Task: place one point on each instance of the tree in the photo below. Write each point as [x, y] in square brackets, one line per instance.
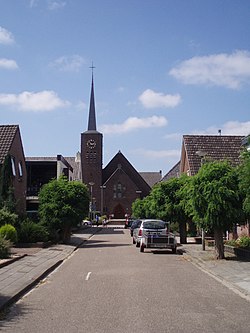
[216, 200]
[164, 202]
[7, 198]
[244, 177]
[62, 205]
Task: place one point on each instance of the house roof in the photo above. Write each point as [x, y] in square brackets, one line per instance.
[151, 177]
[212, 147]
[172, 173]
[7, 135]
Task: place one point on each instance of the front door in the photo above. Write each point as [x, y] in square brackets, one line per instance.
[119, 212]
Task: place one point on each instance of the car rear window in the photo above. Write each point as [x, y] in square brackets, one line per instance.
[154, 225]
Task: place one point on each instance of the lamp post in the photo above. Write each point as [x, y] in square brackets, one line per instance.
[202, 154]
[91, 184]
[102, 187]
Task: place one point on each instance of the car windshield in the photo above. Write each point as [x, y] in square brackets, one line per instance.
[154, 225]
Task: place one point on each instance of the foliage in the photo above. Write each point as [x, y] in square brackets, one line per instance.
[7, 217]
[31, 232]
[7, 198]
[216, 197]
[62, 205]
[243, 241]
[9, 232]
[5, 246]
[244, 177]
[216, 200]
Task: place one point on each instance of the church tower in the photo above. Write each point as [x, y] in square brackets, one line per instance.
[92, 155]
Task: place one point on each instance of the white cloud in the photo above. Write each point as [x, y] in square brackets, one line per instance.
[54, 5]
[8, 64]
[68, 63]
[174, 153]
[29, 101]
[151, 99]
[134, 123]
[231, 128]
[228, 70]
[6, 36]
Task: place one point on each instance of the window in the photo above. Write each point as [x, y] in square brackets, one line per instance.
[118, 190]
[20, 169]
[13, 166]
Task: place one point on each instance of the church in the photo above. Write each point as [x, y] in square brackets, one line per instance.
[112, 189]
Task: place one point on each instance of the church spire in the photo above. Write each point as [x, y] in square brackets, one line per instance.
[92, 119]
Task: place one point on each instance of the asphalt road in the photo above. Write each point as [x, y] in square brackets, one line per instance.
[109, 286]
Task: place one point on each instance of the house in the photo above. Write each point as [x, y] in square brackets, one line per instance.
[198, 148]
[11, 147]
[40, 170]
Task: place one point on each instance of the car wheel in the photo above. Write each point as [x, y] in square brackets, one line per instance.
[174, 250]
[85, 223]
[142, 247]
[137, 244]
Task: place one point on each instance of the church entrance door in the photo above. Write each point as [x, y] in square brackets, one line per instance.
[119, 212]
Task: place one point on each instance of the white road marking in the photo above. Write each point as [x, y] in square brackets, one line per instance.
[88, 276]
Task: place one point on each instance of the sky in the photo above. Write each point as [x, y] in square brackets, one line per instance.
[163, 69]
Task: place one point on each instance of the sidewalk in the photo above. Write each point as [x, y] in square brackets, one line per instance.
[23, 274]
[232, 272]
[20, 276]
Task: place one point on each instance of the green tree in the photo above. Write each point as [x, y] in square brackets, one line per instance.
[244, 177]
[216, 200]
[62, 205]
[7, 198]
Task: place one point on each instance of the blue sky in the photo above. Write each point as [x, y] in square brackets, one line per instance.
[164, 68]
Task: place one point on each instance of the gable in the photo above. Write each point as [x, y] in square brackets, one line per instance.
[120, 162]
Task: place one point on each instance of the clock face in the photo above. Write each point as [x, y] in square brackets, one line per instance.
[91, 144]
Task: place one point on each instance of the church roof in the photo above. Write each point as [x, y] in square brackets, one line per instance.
[7, 135]
[120, 161]
[92, 118]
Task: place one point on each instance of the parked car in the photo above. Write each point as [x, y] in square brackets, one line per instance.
[87, 223]
[128, 223]
[135, 224]
[154, 234]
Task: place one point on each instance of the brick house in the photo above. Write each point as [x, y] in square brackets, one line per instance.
[199, 148]
[11, 146]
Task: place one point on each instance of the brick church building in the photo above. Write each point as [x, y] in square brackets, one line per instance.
[113, 188]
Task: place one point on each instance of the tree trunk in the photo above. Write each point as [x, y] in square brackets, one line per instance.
[66, 234]
[218, 244]
[183, 232]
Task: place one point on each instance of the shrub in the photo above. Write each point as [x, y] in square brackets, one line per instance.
[7, 217]
[9, 232]
[31, 232]
[5, 246]
[243, 241]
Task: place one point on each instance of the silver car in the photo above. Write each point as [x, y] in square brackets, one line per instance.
[154, 234]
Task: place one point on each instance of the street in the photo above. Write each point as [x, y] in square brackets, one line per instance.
[107, 285]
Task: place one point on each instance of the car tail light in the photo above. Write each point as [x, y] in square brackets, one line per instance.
[140, 232]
